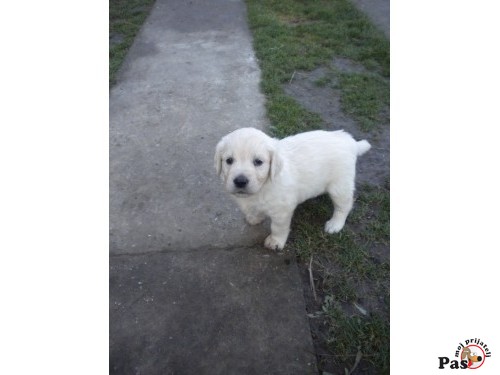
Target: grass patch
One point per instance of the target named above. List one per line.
(367, 224)
(364, 97)
(290, 117)
(294, 35)
(125, 19)
(350, 334)
(349, 270)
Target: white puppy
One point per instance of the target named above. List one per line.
(270, 177)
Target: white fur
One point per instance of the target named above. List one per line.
(293, 170)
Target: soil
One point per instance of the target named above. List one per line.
(372, 169)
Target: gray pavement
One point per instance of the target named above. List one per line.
(190, 77)
(234, 311)
(191, 289)
(378, 11)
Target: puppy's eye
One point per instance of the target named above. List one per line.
(229, 161)
(257, 162)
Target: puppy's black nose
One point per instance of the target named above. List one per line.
(240, 181)
(479, 358)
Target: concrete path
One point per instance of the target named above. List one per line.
(378, 11)
(191, 289)
(190, 77)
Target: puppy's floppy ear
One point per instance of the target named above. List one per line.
(218, 155)
(276, 164)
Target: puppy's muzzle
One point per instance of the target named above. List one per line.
(240, 181)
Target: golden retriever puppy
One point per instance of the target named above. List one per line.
(269, 177)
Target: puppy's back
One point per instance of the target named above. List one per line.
(319, 158)
(323, 145)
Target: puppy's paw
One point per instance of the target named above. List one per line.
(333, 226)
(254, 219)
(274, 244)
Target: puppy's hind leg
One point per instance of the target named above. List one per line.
(342, 205)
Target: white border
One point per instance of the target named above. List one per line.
(54, 189)
(444, 181)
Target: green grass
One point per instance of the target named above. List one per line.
(352, 334)
(289, 116)
(125, 19)
(293, 35)
(350, 272)
(307, 236)
(364, 97)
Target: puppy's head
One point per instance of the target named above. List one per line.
(245, 159)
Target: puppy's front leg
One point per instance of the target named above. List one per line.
(252, 215)
(253, 218)
(280, 228)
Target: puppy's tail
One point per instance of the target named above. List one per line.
(363, 146)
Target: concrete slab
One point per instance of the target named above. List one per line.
(208, 312)
(190, 78)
